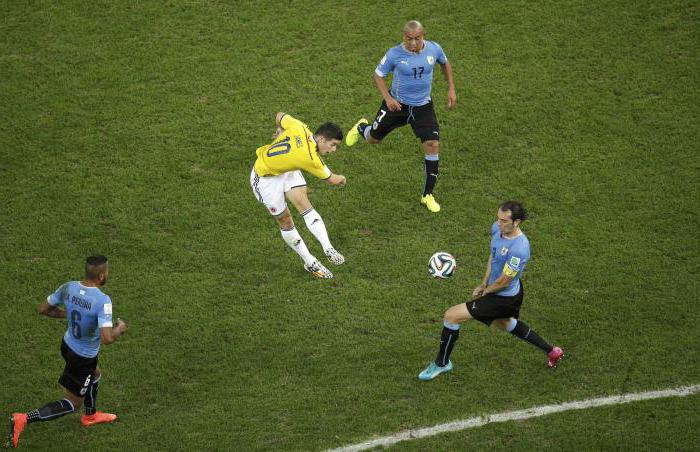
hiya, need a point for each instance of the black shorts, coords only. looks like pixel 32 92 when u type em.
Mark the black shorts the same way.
pixel 79 371
pixel 490 307
pixel 422 119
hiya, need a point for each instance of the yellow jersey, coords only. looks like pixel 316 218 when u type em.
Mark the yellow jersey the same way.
pixel 294 149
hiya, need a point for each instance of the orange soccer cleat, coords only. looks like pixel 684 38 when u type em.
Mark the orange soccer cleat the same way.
pixel 98 418
pixel 17 423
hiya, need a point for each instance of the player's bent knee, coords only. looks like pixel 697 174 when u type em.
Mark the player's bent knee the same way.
pixel 431 147
pixel 284 220
pixel 501 324
pixel 457 314
pixel 75 400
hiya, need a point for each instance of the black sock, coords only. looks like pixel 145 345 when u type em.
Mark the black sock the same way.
pixel 50 411
pixel 91 397
pixel 431 175
pixel 447 343
pixel 526 333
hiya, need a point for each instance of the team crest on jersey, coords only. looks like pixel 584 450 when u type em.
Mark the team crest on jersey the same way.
pixel 504 251
pixel 298 140
pixel 431 60
pixel 515 262
pixel 273 210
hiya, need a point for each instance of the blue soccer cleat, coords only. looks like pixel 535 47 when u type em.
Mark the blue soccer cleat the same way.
pixel 433 370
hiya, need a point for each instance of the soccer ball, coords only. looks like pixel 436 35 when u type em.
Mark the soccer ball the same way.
pixel 442 265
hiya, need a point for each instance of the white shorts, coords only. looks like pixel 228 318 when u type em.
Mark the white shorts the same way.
pixel 270 190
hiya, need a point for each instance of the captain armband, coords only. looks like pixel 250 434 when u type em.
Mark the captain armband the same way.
pixel 509 271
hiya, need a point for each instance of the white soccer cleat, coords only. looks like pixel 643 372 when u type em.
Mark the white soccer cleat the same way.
pixel 334 256
pixel 318 270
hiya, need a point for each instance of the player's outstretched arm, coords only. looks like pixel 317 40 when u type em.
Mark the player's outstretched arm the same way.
pixel 51 311
pixel 109 335
pixel 337 180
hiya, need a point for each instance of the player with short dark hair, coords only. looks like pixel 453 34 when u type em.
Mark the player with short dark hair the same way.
pixel 329 131
pixel 500 294
pixel 277 176
pixel 409 101
pixel 89 314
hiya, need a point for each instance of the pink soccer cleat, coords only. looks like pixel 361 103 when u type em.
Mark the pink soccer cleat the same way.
pixel 554 357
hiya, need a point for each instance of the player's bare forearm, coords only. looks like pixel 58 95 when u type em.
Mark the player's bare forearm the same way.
pixel 109 335
pixel 499 284
pixel 56 313
pixel 391 103
pixel 487 274
pixel 451 93
pixel 479 290
pixel 51 311
pixel 278 124
pixel 381 86
pixel 447 71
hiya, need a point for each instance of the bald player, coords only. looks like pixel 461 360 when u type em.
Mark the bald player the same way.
pixel 409 100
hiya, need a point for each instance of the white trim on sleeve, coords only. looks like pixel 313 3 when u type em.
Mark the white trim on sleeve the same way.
pixel 379 73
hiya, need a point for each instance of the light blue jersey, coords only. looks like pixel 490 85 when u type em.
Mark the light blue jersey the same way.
pixel 87 310
pixel 413 72
pixel 509 256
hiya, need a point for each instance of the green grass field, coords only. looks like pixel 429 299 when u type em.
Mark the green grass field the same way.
pixel 129 129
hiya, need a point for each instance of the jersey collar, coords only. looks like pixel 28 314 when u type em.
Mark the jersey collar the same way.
pixel 511 238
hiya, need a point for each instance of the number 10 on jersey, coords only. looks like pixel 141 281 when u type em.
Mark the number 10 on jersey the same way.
pixel 279 148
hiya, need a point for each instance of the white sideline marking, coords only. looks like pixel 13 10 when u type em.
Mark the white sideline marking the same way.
pixel 518 415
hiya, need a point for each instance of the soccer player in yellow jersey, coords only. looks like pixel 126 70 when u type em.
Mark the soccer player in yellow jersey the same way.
pixel 277 175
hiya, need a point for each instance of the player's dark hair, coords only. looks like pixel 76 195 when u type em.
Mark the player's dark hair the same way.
pixel 517 211
pixel 330 131
pixel 93 266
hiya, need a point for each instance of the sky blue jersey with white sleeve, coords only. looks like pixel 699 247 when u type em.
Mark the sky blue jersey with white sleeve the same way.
pixel 509 256
pixel 87 310
pixel 413 72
